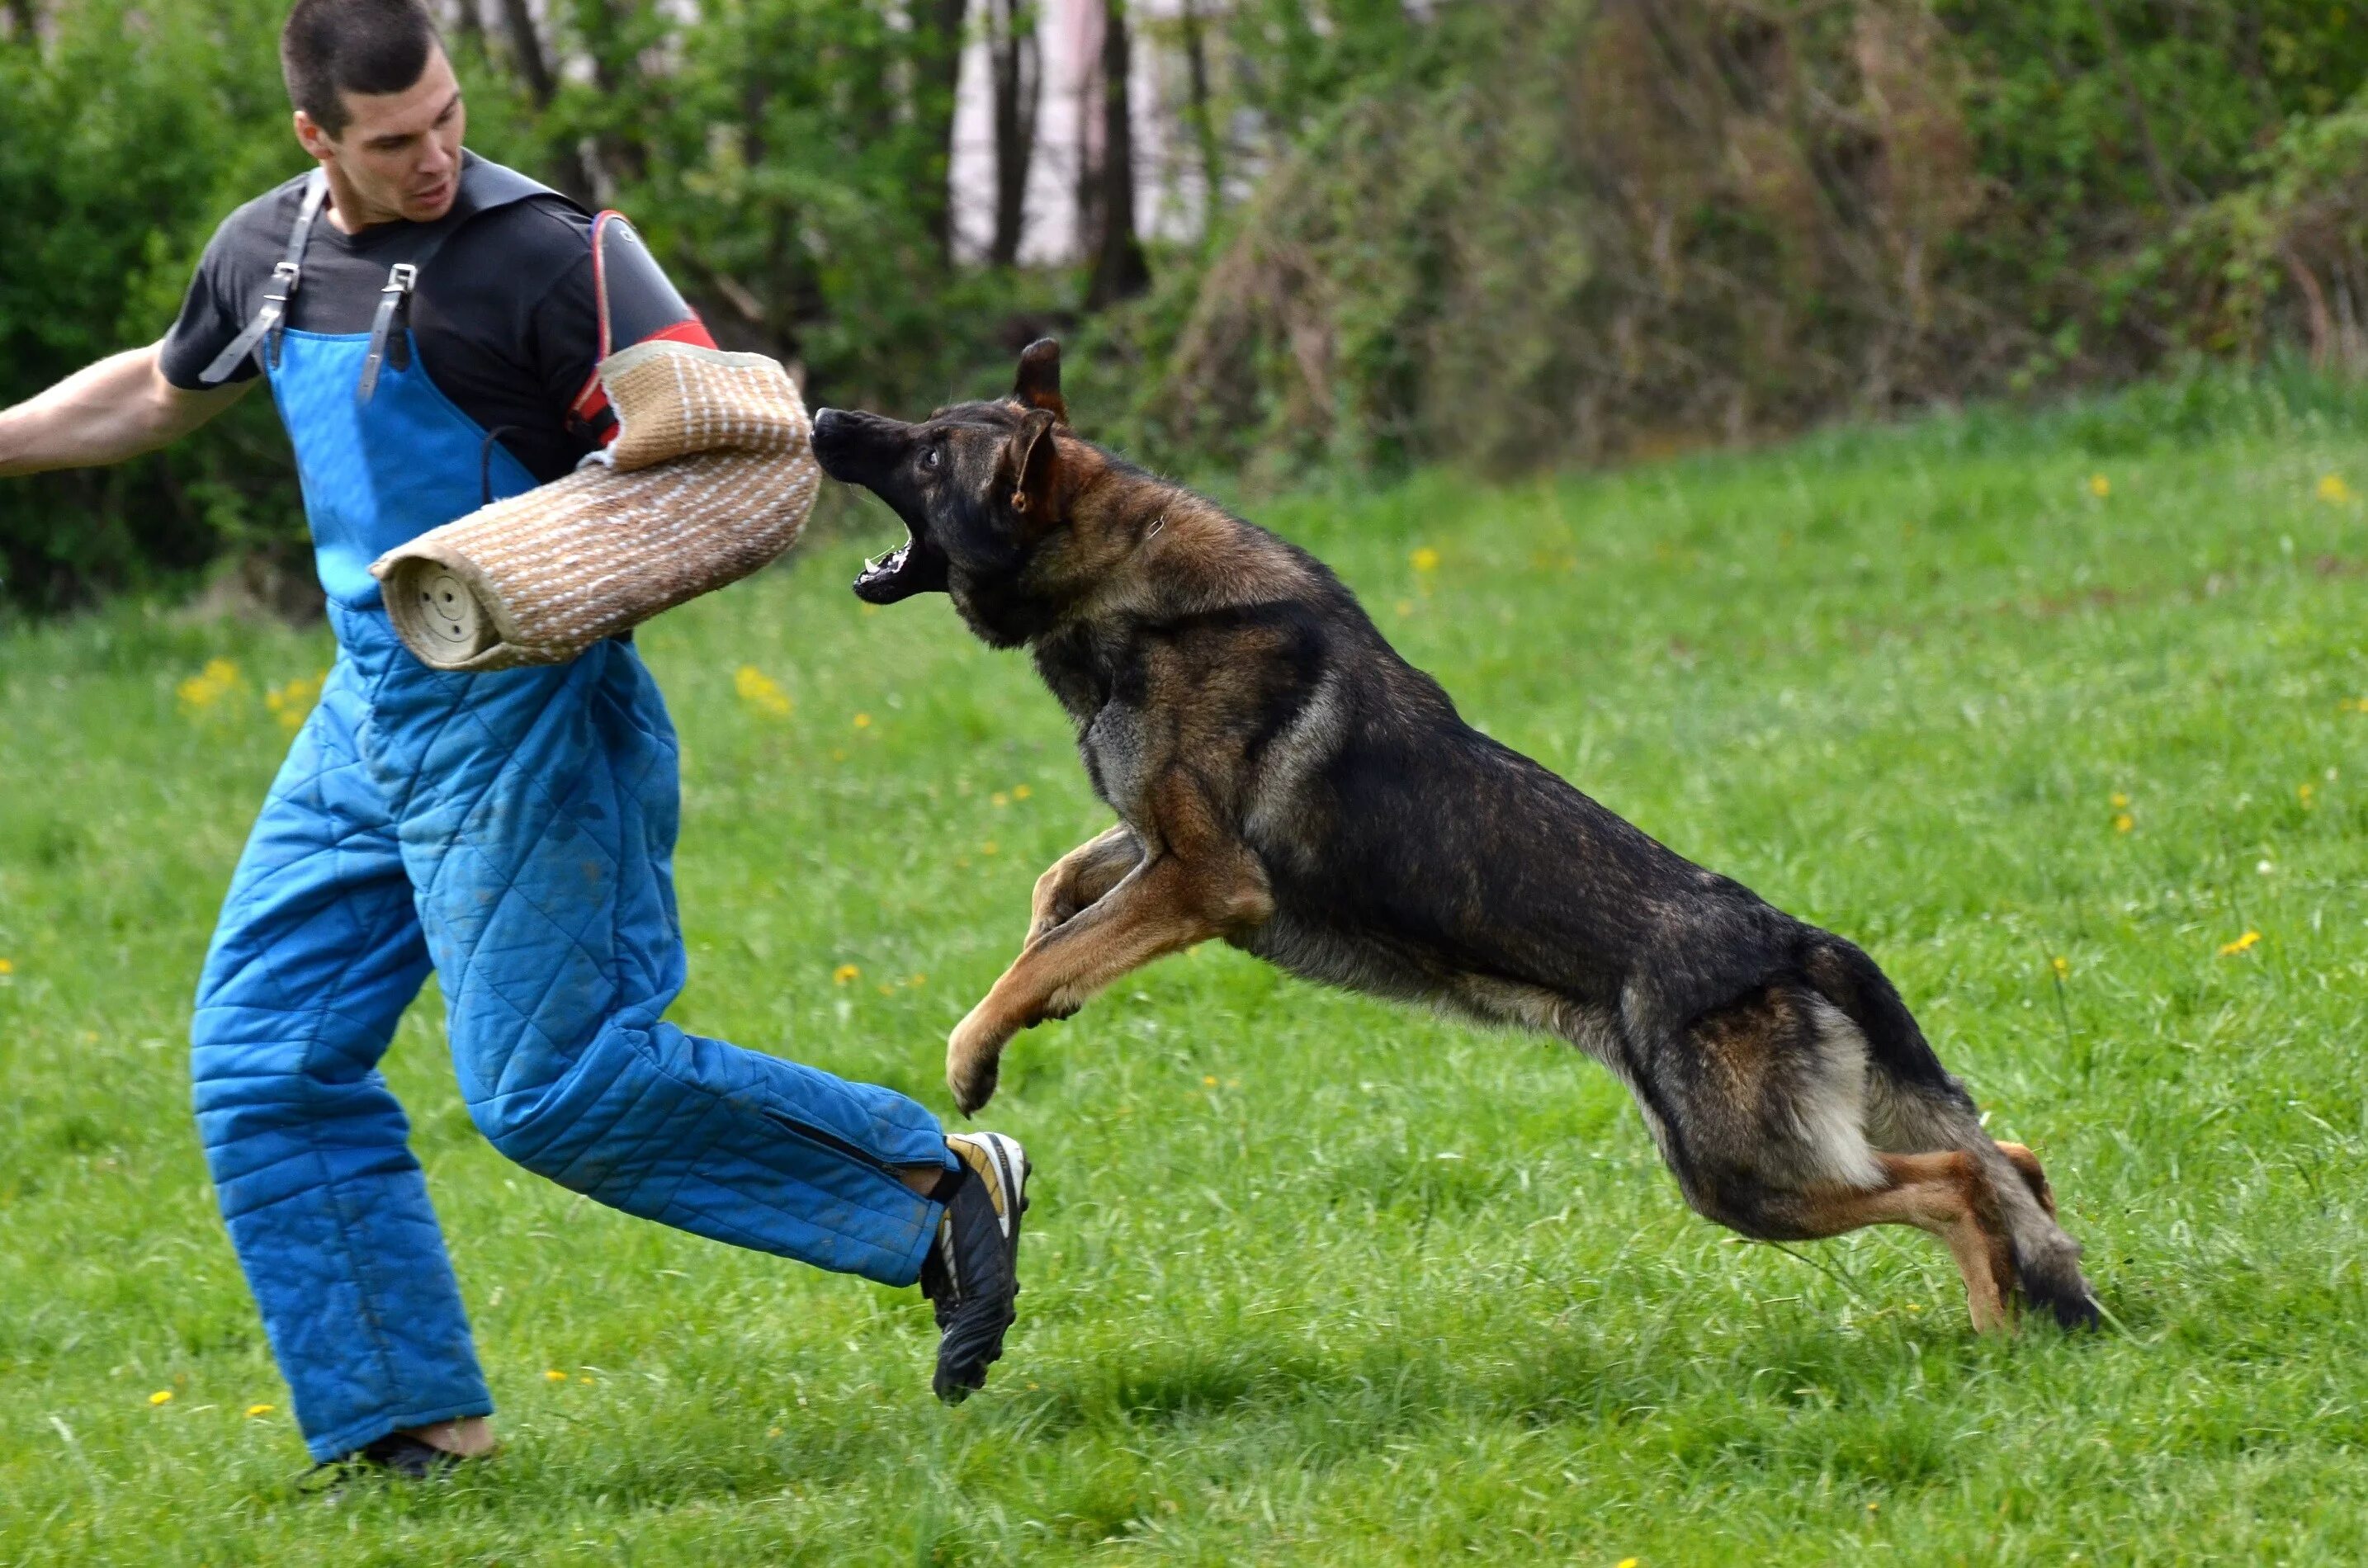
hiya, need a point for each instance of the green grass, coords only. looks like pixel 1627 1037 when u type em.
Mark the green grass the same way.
pixel 1312 1279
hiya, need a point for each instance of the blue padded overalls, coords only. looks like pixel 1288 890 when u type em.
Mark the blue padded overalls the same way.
pixel 515 830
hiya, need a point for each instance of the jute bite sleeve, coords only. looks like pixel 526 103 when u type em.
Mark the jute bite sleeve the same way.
pixel 710 477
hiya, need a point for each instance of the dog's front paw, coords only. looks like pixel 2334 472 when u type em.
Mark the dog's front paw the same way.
pixel 973 1055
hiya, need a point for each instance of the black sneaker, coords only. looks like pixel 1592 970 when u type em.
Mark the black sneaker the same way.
pixel 397 1454
pixel 972 1273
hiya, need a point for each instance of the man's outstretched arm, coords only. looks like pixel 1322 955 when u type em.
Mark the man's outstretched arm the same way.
pixel 116 409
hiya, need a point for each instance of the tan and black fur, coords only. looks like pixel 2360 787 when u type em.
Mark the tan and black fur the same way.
pixel 1284 781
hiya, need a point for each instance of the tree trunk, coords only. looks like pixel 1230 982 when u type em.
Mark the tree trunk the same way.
pixel 468 21
pixel 937 77
pixel 624 155
pixel 527 59
pixel 1120 270
pixel 1017 87
pixel 24 22
pixel 1204 123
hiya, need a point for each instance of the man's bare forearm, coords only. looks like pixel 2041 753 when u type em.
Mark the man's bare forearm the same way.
pixel 116 409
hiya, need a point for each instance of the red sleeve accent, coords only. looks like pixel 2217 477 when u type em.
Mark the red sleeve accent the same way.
pixel 592 401
pixel 692 331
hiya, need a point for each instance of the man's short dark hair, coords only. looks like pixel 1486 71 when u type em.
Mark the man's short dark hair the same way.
pixel 352 46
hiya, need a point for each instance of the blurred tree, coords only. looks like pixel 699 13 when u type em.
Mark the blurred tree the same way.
pixel 1120 270
pixel 1015 85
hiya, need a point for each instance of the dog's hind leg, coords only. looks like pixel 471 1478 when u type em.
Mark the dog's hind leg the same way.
pixel 1763 1110
pixel 1949 1195
pixel 1914 1105
pixel 2026 1165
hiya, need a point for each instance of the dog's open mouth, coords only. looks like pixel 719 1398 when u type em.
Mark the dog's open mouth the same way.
pixel 915 566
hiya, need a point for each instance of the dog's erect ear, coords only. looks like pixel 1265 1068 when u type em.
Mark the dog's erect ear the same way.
pixel 1030 461
pixel 1039 385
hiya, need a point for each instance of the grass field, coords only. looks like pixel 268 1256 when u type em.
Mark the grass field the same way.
pixel 2065 718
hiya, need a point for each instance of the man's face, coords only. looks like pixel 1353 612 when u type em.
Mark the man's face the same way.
pixel 400 153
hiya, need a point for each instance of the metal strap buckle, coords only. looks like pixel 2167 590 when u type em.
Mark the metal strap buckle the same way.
pixel 389 341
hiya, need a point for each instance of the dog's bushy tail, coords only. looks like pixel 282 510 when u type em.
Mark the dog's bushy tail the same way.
pixel 1926 1108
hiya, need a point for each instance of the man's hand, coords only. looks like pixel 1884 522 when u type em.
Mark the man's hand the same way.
pixel 116 409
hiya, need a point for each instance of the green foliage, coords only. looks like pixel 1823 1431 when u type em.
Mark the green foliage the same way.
pixel 123 140
pixel 779 169
pixel 1892 676
pixel 1566 227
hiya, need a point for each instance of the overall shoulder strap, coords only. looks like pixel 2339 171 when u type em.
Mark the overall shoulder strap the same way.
pixel 484 185
pixel 271 316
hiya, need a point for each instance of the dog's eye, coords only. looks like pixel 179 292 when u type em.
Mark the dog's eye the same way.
pixel 930 457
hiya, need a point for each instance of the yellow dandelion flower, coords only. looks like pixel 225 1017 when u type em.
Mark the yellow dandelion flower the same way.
pixel 8 966
pixel 1208 1080
pixel 761 691
pixel 2119 800
pixel 2333 491
pixel 255 1410
pixel 2242 944
pixel 2124 821
pixel 999 798
pixel 1021 791
pixel 844 973
pixel 2099 486
pixel 290 700
pixel 1404 606
pixel 554 1376
pixel 586 1382
pixel 209 685
pixel 2304 792
pixel 1425 559
pixel 162 1396
pixel 776 1431
pixel 2061 965
pixel 1628 1563
pixel 863 720
pixel 988 847
pixel 918 980
pixel 887 990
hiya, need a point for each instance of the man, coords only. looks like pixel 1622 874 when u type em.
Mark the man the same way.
pixel 428 323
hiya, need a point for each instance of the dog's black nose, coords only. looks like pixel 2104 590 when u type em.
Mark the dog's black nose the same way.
pixel 831 429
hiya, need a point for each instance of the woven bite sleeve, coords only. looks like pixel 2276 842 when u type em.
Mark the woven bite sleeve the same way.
pixel 711 476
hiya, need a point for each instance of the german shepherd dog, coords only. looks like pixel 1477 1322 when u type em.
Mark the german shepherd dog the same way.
pixel 1283 780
